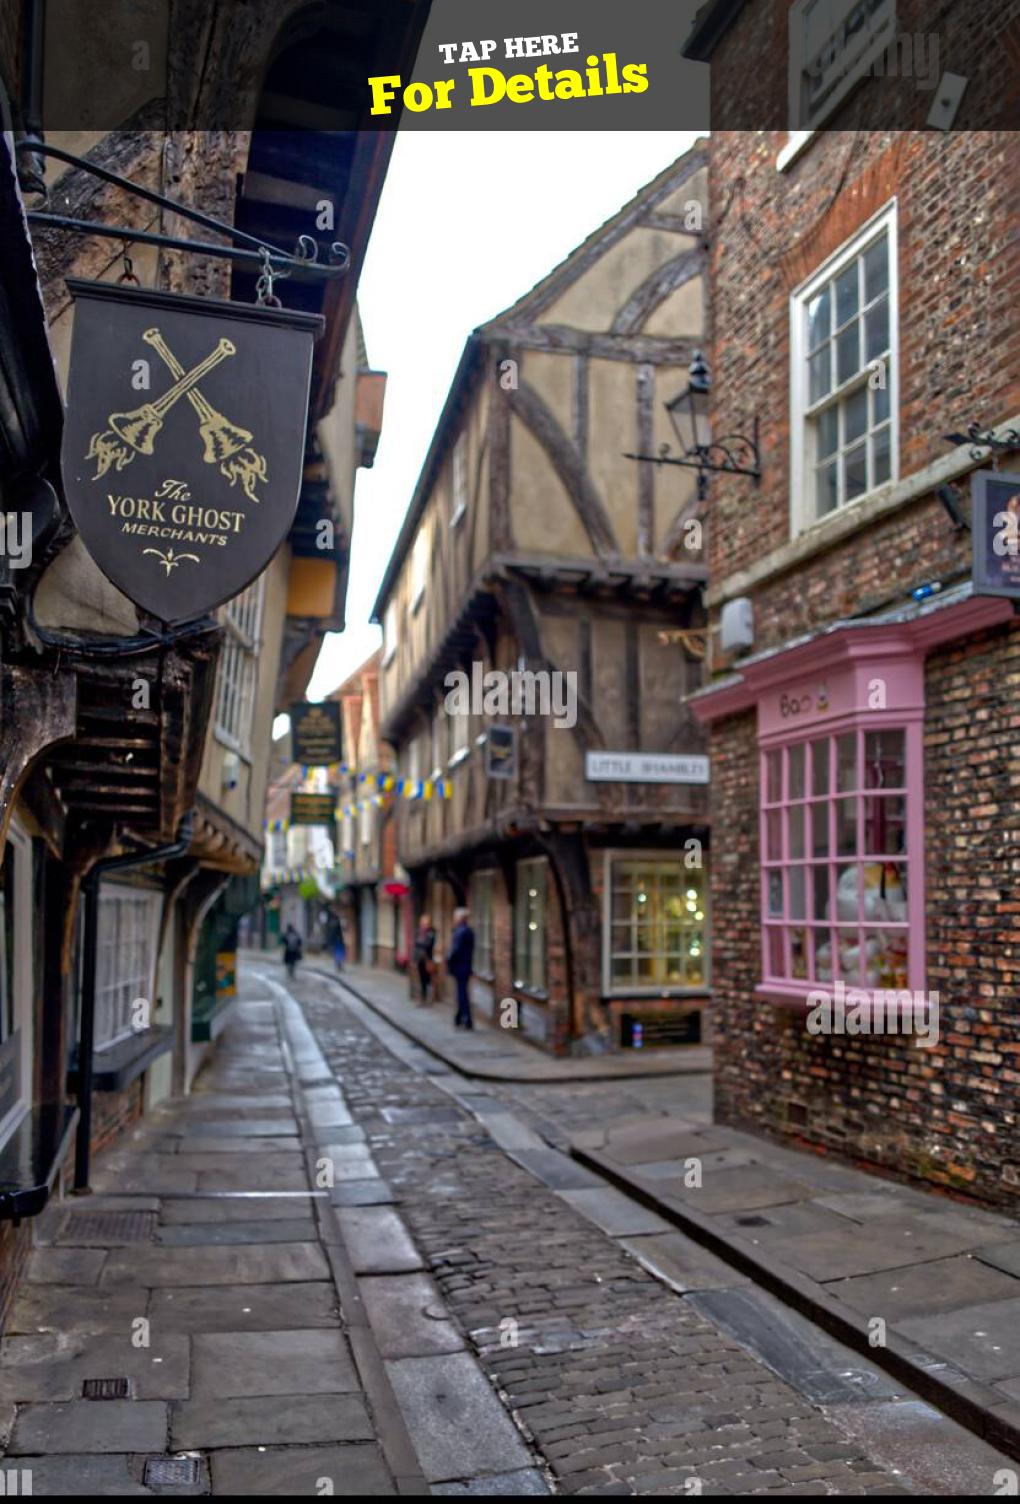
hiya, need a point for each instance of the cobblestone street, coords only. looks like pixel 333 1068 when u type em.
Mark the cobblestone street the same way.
pixel 622 1385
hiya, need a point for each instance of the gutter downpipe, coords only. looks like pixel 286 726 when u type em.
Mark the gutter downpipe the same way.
pixel 87 1028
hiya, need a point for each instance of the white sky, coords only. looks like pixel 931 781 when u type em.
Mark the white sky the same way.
pixel 468 222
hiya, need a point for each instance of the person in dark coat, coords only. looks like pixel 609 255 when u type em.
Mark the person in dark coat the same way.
pixel 424 956
pixel 292 948
pixel 335 942
pixel 459 964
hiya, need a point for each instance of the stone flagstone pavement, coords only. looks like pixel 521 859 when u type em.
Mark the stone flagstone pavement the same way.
pixel 242 1318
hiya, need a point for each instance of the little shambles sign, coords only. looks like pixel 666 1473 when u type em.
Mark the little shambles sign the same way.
pixel 184 440
pixel 315 734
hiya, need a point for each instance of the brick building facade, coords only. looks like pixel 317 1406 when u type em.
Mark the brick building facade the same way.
pixel 865 779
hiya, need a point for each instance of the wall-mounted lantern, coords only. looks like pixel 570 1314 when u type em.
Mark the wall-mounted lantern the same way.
pixel 733 454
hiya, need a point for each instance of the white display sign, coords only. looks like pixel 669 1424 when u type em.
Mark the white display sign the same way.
pixel 645 767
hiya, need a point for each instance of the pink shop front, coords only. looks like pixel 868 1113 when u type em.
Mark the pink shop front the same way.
pixel 841 725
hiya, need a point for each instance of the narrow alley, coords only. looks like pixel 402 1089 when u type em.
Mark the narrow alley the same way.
pixel 343 1267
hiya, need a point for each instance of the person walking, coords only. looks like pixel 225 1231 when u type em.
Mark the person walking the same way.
pixel 292 949
pixel 335 939
pixel 424 956
pixel 459 964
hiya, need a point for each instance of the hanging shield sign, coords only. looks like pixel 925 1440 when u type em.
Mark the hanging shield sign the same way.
pixel 184 440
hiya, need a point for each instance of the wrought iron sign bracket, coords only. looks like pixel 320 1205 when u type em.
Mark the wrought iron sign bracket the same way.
pixel 734 454
pixel 985 439
pixel 248 248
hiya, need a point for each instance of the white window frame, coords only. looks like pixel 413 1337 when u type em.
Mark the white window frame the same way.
pixel 628 989
pixel 113 1013
pixel 482 919
pixel 539 866
pixel 277 849
pixel 459 490
pixel 237 674
pixel 22 972
pixel 802 497
pixel 883 36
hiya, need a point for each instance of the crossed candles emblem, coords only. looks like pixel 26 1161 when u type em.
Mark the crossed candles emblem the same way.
pixel 225 444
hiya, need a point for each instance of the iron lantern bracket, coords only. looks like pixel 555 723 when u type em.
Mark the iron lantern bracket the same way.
pixel 734 454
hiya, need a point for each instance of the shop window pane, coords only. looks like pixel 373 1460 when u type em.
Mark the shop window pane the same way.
pixel 885 891
pixel 795 817
pixel 820 886
pixel 850 959
pixel 774 785
pixel 795 771
pixel 798 953
pixel 820 766
pixel 773 836
pixel 846 893
pixel 884 760
pixel 846 827
pixel 820 829
pixel 846 762
pixel 797 889
pixel 887 957
pixel 823 955
pixel 775 893
pixel 774 952
pixel 885 825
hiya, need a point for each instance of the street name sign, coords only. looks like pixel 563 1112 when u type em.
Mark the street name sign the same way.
pixel 645 767
pixel 184 440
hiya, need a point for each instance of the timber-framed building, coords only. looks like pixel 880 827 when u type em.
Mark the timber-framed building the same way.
pixel 533 543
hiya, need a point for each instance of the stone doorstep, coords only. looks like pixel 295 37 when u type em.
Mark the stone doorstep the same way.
pixel 974 1404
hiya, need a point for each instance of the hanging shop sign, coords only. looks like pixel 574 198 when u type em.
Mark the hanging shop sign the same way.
pixel 995 528
pixel 315 736
pixel 501 752
pixel 312 809
pixel 645 767
pixel 184 440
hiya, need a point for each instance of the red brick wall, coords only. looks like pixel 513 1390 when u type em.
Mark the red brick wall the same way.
pixel 941 1115
pixel 749 87
pixel 959 338
pixel 945 1115
pixel 113 1112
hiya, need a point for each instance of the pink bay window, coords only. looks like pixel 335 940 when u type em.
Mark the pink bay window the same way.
pixel 841 798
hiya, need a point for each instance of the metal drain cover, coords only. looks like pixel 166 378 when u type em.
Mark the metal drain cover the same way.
pixel 172 1472
pixel 108 1228
pixel 106 1389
